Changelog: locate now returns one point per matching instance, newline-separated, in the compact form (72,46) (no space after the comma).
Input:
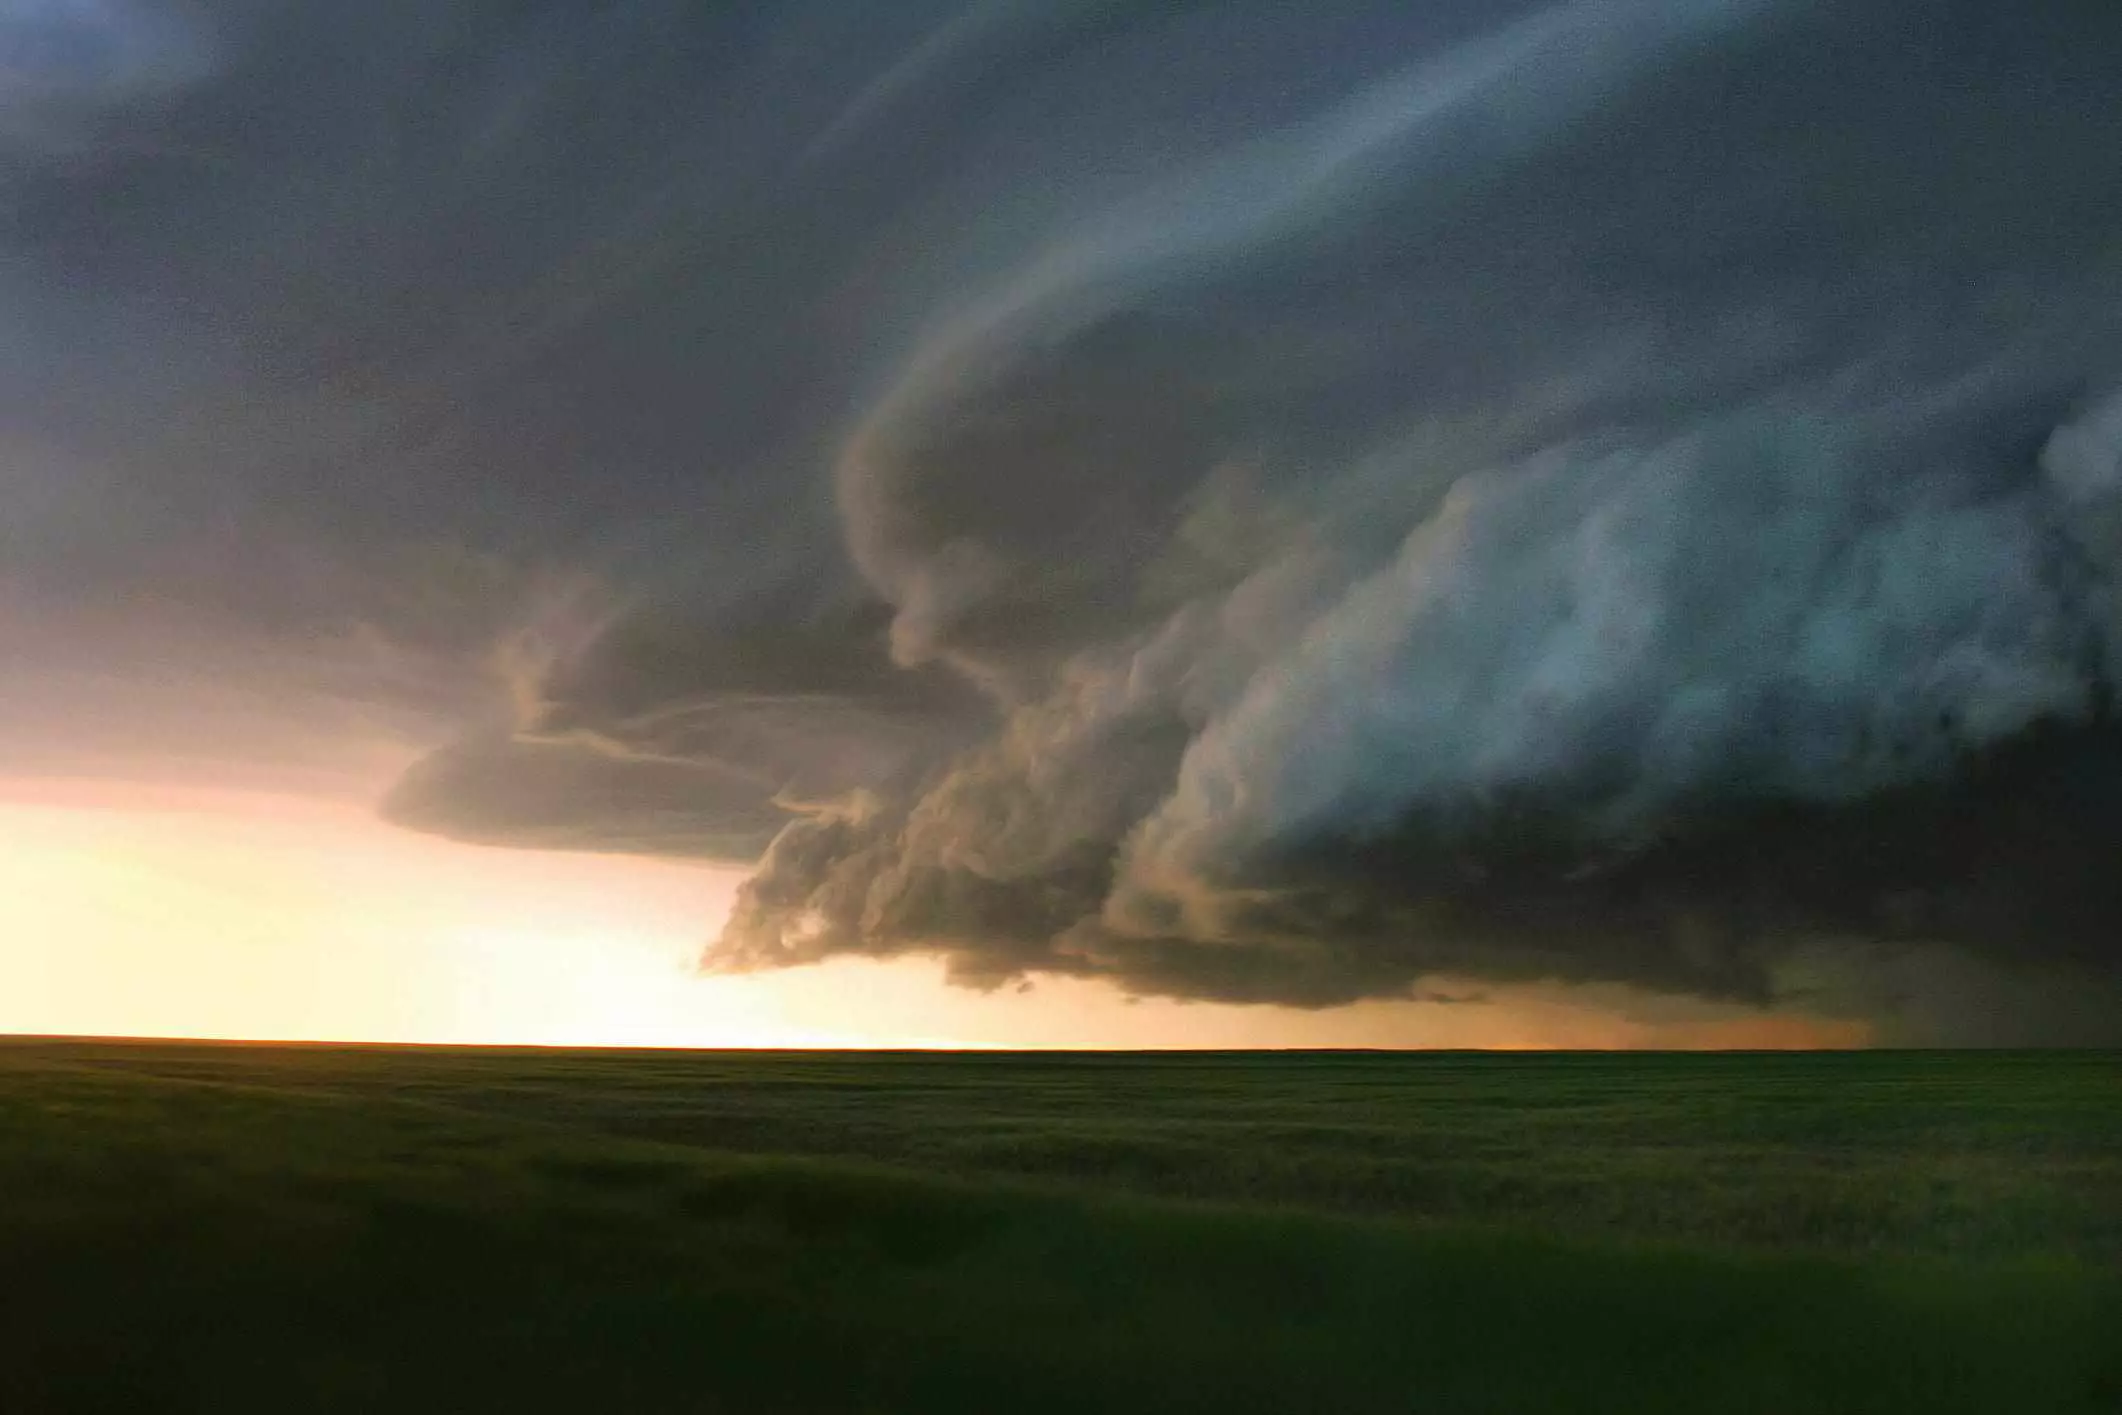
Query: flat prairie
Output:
(234,1228)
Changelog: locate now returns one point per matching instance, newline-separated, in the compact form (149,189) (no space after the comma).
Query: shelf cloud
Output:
(1245,502)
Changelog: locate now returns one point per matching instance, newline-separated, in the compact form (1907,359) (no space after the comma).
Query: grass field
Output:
(191,1228)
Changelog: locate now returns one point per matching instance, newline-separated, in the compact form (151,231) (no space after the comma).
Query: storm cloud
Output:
(1248,502)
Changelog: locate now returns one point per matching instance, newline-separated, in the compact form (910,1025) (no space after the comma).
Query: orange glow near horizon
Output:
(262,918)
(183,912)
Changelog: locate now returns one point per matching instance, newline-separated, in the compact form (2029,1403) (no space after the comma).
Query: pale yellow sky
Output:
(137,910)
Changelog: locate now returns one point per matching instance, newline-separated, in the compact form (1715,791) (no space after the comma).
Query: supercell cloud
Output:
(1245,501)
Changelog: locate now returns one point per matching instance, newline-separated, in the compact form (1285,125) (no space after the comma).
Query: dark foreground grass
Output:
(1963,1155)
(309,1230)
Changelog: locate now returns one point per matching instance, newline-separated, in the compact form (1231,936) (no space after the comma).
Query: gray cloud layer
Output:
(1245,501)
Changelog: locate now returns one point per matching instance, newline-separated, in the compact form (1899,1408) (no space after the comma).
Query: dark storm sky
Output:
(1250,501)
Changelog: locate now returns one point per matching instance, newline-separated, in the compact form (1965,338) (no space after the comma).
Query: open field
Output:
(190,1228)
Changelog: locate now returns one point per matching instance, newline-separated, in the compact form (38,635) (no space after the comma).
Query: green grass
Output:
(238,1229)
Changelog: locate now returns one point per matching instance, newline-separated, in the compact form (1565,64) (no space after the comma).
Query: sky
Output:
(1061,522)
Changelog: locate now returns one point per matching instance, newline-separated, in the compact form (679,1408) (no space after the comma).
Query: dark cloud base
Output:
(2008,860)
